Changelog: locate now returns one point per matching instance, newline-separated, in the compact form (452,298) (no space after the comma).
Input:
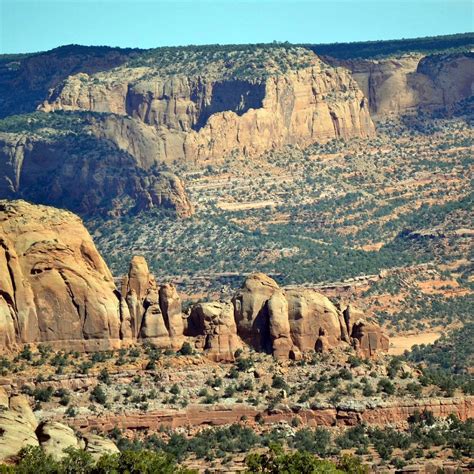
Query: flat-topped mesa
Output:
(207,114)
(287,323)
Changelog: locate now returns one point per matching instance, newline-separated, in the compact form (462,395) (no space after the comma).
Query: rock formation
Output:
(405,84)
(54,286)
(20,429)
(286,323)
(152,313)
(85,173)
(200,116)
(214,322)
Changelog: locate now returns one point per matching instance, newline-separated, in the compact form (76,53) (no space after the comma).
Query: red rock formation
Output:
(216,322)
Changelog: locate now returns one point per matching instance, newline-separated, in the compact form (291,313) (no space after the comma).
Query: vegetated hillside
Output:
(379,49)
(326,213)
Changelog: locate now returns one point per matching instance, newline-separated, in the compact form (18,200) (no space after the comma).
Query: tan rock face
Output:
(400,85)
(216,322)
(286,323)
(148,311)
(59,171)
(54,286)
(197,118)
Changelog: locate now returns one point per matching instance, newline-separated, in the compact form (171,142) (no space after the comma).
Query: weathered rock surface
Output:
(97,446)
(198,117)
(54,285)
(86,173)
(55,437)
(17,426)
(215,321)
(19,429)
(285,323)
(405,84)
(152,312)
(55,288)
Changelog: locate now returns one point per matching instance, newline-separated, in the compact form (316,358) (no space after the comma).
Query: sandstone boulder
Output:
(15,434)
(55,437)
(97,446)
(54,285)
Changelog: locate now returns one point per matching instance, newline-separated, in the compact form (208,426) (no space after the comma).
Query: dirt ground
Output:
(399,344)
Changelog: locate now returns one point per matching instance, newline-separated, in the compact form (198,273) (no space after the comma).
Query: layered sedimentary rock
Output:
(54,285)
(86,173)
(197,117)
(289,322)
(407,83)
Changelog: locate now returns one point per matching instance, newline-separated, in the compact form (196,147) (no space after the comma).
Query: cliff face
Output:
(198,117)
(55,288)
(400,85)
(87,174)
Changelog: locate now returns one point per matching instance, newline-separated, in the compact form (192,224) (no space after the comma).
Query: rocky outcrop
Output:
(395,414)
(289,322)
(20,429)
(55,288)
(152,313)
(17,425)
(408,83)
(214,323)
(54,285)
(198,117)
(86,173)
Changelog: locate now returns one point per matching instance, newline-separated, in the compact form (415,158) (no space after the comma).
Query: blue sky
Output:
(36,25)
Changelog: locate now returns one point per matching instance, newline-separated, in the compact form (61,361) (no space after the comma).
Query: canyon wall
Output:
(87,174)
(394,86)
(198,118)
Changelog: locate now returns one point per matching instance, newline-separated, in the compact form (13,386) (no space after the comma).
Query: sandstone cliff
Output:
(86,173)
(197,116)
(408,83)
(54,286)
(56,289)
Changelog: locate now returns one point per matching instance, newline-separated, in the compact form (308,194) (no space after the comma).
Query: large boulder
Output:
(17,425)
(55,437)
(215,320)
(97,446)
(54,285)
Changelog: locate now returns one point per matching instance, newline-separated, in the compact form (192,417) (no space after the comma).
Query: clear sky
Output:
(36,25)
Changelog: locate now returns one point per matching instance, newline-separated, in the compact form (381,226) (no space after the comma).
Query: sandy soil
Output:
(399,344)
